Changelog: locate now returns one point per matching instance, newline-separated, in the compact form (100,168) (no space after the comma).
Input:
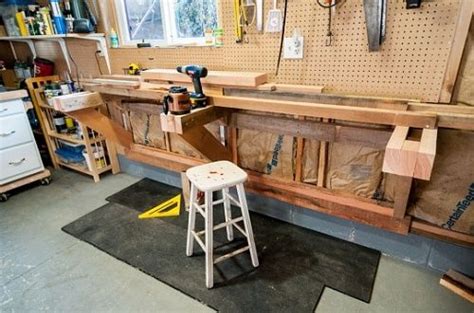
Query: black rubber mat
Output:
(295,263)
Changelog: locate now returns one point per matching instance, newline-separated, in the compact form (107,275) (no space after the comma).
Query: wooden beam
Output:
(77,101)
(321,131)
(457,47)
(426,154)
(102,124)
(197,117)
(116,83)
(127,92)
(353,114)
(400,153)
(309,90)
(220,78)
(203,141)
(426,229)
(462,287)
(402,195)
(325,201)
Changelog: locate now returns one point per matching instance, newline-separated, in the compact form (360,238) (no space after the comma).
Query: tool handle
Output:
(166,106)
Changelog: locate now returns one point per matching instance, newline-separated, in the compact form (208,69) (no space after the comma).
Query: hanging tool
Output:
(375,18)
(241,20)
(330,5)
(237,24)
(196,72)
(274,20)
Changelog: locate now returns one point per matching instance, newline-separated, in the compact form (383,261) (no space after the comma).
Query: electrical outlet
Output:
(293,47)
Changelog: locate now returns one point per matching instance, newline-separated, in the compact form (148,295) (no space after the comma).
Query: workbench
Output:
(405,129)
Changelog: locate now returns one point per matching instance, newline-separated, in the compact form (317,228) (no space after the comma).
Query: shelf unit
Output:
(90,139)
(99,38)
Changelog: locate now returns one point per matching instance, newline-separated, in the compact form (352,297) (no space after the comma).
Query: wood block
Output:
(426,154)
(77,101)
(167,123)
(221,78)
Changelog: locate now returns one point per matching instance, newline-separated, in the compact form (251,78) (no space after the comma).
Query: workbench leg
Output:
(402,195)
(186,189)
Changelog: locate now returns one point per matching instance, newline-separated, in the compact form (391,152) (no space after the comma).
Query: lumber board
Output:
(77,101)
(102,124)
(353,114)
(325,201)
(139,93)
(463,279)
(204,142)
(426,229)
(118,83)
(466,8)
(457,287)
(309,90)
(219,78)
(426,154)
(402,195)
(11,95)
(321,131)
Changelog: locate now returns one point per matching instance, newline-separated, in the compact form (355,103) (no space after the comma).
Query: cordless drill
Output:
(198,98)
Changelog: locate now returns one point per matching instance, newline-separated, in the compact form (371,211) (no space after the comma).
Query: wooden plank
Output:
(25,181)
(203,141)
(126,92)
(458,288)
(162,159)
(354,114)
(365,136)
(426,154)
(402,195)
(220,78)
(467,281)
(309,90)
(197,117)
(111,130)
(115,82)
(466,8)
(11,95)
(300,142)
(426,229)
(325,201)
(322,164)
(233,143)
(456,121)
(77,101)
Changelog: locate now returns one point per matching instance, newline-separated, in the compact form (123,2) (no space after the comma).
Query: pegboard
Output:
(410,64)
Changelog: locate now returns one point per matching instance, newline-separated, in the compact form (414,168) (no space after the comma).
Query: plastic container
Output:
(9,9)
(99,157)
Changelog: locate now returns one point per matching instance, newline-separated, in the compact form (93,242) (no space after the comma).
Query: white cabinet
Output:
(19,155)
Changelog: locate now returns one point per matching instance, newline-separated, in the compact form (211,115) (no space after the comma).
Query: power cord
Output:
(73,61)
(282,38)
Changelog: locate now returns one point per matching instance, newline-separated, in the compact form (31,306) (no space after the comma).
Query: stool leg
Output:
(228,214)
(191,220)
(247,224)
(209,243)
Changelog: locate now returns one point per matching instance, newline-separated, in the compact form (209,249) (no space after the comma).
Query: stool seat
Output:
(216,175)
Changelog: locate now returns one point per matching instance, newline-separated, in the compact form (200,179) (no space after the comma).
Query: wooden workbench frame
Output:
(359,123)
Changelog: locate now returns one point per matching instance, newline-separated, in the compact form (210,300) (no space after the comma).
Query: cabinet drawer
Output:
(11,107)
(14,130)
(19,160)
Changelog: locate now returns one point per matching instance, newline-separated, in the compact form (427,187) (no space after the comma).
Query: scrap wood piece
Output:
(410,158)
(99,122)
(459,284)
(77,101)
(291,88)
(221,78)
(204,142)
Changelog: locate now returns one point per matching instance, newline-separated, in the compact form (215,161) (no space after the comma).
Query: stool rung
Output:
(229,255)
(233,199)
(222,225)
(198,208)
(201,208)
(196,236)
(241,230)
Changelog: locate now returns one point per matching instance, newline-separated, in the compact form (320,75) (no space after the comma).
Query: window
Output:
(165,22)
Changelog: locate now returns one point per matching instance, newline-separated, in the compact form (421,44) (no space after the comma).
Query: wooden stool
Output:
(211,177)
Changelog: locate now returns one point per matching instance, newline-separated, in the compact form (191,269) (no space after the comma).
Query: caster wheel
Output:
(46,181)
(3,197)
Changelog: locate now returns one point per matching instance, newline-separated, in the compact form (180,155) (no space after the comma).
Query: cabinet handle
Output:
(3,110)
(7,134)
(17,162)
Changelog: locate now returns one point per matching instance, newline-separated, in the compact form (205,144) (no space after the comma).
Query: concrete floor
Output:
(44,269)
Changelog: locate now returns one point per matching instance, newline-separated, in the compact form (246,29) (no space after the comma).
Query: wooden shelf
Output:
(70,138)
(84,169)
(43,37)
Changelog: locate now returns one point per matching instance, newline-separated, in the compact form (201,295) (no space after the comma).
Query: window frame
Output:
(169,27)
